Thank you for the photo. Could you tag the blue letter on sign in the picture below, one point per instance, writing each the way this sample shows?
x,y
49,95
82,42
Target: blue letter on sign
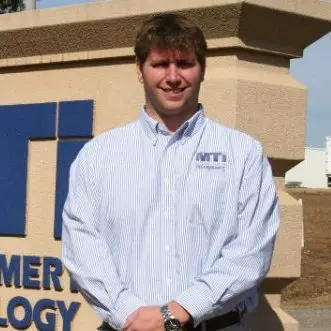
x,y
18,124
10,271
75,121
25,322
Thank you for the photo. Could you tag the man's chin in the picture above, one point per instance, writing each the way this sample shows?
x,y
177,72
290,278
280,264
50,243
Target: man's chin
x,y
173,108
171,111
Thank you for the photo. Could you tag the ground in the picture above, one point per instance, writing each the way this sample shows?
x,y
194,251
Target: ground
x,y
313,288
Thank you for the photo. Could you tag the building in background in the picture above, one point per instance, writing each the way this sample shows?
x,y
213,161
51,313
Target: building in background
x,y
328,160
314,171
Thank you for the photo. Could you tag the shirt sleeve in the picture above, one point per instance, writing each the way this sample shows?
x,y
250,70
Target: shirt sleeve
x,y
245,260
86,254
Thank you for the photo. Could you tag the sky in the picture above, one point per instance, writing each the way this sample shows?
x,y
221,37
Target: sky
x,y
313,71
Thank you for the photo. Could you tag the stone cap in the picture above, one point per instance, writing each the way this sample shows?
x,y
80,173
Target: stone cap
x,y
107,29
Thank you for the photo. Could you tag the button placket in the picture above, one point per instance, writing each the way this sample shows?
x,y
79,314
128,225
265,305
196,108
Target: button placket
x,y
168,221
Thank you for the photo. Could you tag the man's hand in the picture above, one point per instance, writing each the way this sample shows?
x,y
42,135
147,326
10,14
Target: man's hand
x,y
179,312
150,318
147,318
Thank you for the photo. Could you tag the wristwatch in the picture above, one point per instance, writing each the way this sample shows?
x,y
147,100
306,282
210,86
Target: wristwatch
x,y
171,323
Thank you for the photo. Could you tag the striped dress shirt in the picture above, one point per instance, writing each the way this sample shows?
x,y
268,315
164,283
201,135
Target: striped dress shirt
x,y
153,216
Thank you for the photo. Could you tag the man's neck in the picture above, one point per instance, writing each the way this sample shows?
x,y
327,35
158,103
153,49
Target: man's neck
x,y
171,122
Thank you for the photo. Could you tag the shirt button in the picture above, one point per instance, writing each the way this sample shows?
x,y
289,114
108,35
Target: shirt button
x,y
166,181
167,248
168,282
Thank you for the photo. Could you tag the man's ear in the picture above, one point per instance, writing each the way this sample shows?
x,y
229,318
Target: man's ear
x,y
139,68
203,71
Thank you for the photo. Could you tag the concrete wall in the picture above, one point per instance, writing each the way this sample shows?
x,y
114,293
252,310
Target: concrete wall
x,y
85,52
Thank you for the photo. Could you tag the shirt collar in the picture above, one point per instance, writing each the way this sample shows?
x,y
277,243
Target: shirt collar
x,y
153,128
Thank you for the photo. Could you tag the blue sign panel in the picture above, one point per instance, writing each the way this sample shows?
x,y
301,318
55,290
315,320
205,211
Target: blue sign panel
x,y
18,125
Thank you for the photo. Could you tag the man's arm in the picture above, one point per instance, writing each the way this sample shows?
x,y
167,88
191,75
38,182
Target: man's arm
x,y
85,253
245,260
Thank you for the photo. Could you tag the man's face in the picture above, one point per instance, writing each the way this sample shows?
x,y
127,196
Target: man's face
x,y
171,81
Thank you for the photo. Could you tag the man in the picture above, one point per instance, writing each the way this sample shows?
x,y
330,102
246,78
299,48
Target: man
x,y
170,221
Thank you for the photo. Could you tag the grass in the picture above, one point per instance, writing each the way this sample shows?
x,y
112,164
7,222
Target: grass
x,y
313,288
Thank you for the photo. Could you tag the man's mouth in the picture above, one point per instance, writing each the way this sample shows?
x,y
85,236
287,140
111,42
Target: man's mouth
x,y
174,90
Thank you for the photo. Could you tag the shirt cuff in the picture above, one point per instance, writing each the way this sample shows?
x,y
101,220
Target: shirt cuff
x,y
126,304
197,301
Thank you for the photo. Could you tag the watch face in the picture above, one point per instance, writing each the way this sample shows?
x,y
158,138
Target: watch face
x,y
172,324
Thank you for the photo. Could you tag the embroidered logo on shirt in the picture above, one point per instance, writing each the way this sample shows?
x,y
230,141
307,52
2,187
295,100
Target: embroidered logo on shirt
x,y
210,160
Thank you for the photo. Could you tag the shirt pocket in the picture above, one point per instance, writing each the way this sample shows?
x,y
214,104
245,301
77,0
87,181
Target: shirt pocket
x,y
206,188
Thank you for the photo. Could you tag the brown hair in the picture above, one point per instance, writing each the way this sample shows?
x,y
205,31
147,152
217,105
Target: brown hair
x,y
170,31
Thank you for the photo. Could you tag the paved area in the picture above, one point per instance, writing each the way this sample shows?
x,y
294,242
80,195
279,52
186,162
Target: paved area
x,y
312,319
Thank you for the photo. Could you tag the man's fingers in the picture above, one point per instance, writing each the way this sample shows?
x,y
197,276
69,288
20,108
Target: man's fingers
x,y
130,319
128,325
133,316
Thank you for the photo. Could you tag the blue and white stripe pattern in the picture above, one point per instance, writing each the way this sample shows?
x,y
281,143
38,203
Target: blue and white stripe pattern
x,y
152,217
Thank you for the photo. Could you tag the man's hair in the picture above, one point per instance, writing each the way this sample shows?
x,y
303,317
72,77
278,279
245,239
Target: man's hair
x,y
170,31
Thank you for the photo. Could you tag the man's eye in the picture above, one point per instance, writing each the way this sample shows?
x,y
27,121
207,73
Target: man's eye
x,y
160,64
185,64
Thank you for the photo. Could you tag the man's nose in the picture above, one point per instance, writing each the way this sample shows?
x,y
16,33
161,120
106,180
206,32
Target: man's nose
x,y
173,75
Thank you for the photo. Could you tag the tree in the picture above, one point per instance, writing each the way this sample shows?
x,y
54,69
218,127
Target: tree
x,y
10,6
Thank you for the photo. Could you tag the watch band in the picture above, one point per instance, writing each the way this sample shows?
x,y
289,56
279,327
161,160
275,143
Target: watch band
x,y
171,323
166,312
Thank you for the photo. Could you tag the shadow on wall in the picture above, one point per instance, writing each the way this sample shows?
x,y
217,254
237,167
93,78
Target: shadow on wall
x,y
264,318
